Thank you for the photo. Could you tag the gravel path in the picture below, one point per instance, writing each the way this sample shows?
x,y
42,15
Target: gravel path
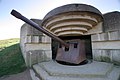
x,y
20,76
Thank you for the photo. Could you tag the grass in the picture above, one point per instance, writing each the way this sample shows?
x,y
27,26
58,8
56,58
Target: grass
x,y
11,59
8,42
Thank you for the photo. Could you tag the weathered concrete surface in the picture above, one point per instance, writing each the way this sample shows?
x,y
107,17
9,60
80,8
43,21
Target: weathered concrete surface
x,y
111,21
72,8
39,46
106,47
37,56
20,76
74,20
92,71
33,75
107,36
31,39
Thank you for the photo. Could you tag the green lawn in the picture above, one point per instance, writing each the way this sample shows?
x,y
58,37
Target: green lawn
x,y
11,60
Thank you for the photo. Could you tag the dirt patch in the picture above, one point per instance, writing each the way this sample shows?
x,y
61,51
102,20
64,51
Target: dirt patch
x,y
20,76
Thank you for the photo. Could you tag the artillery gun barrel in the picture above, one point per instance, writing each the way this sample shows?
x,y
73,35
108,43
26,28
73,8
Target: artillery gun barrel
x,y
35,25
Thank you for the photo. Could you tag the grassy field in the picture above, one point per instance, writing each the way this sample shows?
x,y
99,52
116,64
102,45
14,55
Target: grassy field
x,y
11,60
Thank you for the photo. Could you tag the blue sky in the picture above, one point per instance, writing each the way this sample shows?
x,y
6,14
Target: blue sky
x,y
10,26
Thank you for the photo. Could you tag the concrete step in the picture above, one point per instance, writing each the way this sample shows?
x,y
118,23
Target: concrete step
x,y
93,71
33,75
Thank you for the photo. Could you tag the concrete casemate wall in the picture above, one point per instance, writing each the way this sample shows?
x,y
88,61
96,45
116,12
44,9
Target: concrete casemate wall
x,y
34,44
106,45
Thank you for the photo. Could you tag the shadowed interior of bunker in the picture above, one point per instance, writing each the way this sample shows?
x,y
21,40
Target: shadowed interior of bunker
x,y
88,48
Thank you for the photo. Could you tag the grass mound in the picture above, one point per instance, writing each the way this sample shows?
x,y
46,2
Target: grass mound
x,y
11,60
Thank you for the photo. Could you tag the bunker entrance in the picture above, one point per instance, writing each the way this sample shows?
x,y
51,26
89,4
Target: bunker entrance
x,y
84,45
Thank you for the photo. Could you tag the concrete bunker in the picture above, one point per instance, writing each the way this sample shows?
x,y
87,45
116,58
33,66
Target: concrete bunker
x,y
100,34
72,21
